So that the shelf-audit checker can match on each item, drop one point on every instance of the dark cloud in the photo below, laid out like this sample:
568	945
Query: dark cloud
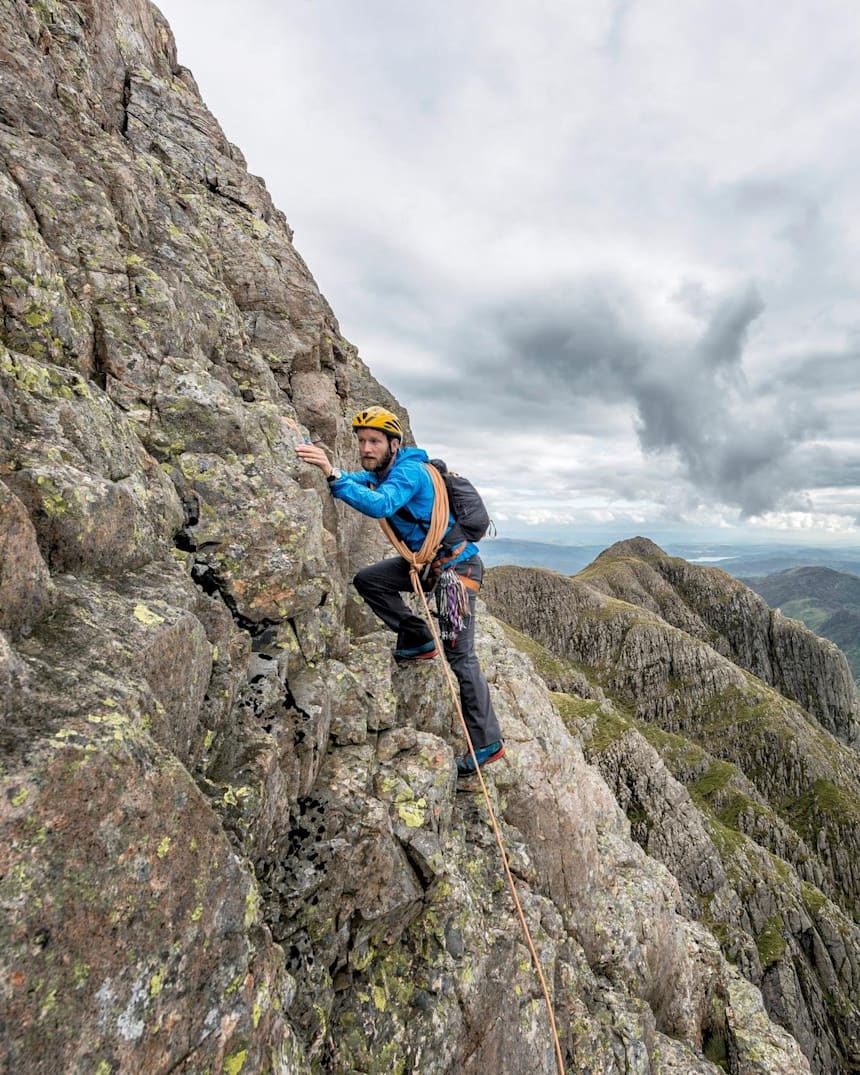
724	339
536	364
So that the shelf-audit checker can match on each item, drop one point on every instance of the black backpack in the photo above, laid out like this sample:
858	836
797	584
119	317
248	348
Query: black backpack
471	518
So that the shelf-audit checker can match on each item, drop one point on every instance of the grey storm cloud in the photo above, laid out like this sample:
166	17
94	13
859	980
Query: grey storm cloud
545	217
723	341
547	365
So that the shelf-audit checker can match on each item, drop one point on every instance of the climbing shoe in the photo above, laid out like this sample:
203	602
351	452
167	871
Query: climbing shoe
491	752
416	653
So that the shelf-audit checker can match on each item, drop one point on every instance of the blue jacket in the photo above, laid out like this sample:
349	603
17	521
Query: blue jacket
406	485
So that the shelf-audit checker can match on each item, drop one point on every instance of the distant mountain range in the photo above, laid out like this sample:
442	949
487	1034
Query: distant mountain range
740	560
818	586
729	734
827	601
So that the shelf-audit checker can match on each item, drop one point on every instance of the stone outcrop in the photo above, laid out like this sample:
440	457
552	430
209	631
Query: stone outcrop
230	839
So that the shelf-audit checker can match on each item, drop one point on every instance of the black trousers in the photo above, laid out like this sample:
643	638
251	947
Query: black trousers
381	586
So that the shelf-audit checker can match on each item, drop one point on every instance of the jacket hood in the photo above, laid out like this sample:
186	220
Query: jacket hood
417	455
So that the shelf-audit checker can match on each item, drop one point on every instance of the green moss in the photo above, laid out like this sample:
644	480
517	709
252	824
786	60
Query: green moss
813	898
740	805
824	803
729	709
546	663
728	842
575	712
678	752
608	727
719	773
770	942
572	707
715	1049
636	814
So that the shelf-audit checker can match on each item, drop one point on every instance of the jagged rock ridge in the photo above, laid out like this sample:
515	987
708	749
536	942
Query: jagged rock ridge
752	804
230	837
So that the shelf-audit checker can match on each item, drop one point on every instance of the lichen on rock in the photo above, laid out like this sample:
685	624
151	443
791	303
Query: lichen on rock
232	839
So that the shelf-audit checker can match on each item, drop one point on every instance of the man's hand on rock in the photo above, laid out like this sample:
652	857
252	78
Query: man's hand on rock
310	453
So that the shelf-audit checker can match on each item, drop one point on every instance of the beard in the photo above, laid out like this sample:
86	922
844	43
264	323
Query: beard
382	465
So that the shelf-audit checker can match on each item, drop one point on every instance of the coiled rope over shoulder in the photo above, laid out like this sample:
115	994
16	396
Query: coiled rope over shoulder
436	531
416	561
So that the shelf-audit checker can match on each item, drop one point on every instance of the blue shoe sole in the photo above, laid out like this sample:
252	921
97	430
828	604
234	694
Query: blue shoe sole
416	654
466	766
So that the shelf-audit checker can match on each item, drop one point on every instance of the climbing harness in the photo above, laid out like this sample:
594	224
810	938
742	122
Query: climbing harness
418	562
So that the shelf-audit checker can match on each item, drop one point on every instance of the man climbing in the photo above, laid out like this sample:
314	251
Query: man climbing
395	485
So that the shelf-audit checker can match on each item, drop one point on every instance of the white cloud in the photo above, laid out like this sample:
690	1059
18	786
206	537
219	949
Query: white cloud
446	168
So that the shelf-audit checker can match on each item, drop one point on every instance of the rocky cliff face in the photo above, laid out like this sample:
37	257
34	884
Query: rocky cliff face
825	600
231	840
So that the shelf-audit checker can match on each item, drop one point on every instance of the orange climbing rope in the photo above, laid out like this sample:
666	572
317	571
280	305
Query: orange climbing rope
418	560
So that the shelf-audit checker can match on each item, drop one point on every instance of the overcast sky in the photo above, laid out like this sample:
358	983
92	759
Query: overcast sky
604	251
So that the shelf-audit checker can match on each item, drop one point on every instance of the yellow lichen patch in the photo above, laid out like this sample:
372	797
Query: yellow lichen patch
116	726
156	982
52	500
233	796
20	797
234	1064
163	847
36	317
147	616
49	1005
413	813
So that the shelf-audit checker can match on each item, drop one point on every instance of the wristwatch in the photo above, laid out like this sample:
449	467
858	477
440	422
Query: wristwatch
335	475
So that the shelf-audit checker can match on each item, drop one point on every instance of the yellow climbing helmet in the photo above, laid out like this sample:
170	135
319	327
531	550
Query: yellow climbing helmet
378	418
